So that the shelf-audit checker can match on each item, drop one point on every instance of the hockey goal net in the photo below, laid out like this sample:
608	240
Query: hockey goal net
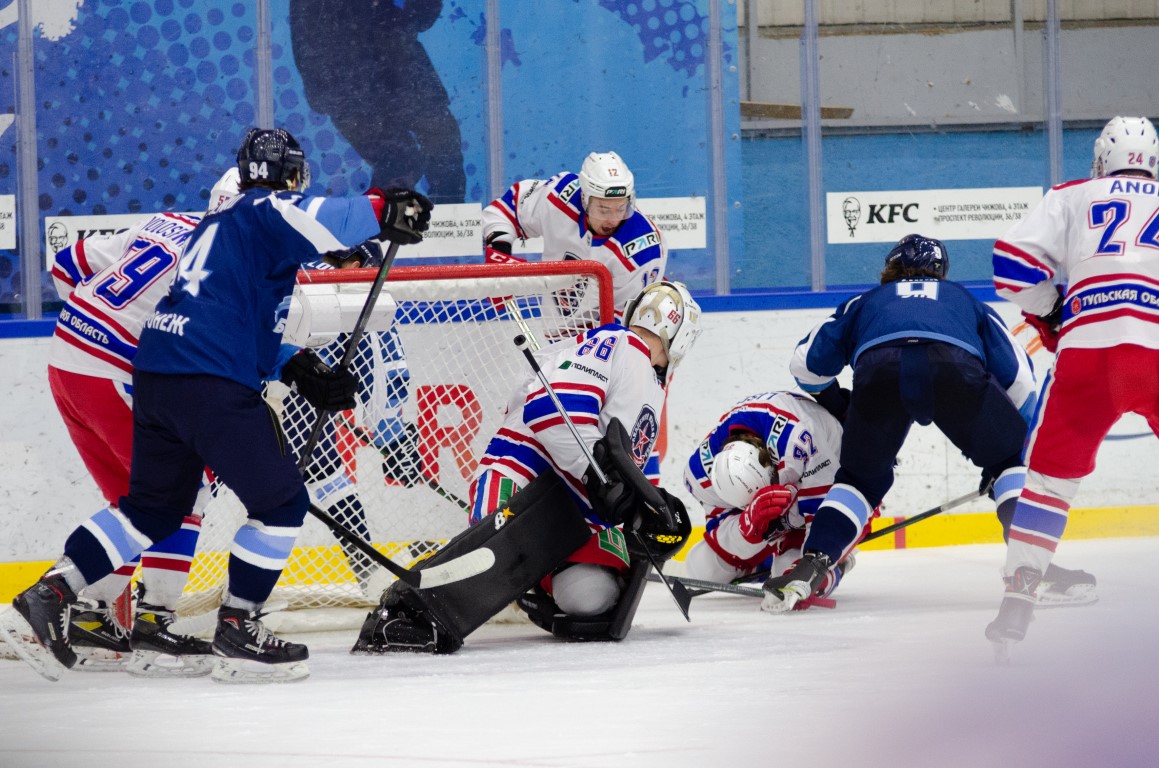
437	366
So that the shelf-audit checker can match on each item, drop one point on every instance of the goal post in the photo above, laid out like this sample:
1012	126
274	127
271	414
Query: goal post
436	368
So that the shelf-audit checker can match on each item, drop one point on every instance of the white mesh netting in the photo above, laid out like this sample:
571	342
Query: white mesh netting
433	390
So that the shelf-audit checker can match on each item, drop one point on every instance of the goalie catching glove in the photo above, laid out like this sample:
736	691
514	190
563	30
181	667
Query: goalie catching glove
663	537
405	214
321	386
770	514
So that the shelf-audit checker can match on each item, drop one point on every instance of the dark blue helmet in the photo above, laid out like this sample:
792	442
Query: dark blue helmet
274	158
917	253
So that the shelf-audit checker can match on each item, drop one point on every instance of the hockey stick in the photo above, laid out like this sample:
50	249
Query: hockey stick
679	594
736	585
457	569
929	512
363	435
351	348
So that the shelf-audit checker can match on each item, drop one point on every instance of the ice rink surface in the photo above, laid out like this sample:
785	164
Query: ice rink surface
898	675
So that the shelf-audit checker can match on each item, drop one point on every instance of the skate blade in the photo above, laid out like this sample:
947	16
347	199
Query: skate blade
243	671
1001	652
156	664
90	659
17	633
1078	595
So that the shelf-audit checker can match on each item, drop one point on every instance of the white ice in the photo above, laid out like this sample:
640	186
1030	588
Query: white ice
898	675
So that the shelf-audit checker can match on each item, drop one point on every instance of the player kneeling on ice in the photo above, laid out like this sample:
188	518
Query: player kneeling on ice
761	474
923	350
557	532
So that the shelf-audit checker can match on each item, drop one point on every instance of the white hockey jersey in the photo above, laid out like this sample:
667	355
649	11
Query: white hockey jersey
803	439
635	255
1099	238
605	373
111	284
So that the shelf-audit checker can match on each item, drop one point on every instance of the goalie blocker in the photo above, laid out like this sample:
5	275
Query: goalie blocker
530	537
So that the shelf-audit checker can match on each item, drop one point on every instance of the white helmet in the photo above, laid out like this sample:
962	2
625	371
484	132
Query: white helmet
668	310
1126	143
604	174
225	188
737	474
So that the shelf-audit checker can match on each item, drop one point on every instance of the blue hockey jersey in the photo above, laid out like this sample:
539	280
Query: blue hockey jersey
923	308
224	314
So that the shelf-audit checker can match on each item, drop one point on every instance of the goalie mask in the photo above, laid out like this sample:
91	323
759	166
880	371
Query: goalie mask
737	474
1126	144
274	159
605	175
668	310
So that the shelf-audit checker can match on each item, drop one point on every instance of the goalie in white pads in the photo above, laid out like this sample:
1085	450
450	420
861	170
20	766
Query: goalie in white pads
1082	266
578	564
761	473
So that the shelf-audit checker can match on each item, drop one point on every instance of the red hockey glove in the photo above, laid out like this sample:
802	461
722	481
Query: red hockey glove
1048	325
496	251
765	515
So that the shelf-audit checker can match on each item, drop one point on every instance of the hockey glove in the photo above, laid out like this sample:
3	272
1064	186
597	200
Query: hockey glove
663	540
323	387
496	251
1048	325
406	214
835	399
767	515
615	501
401	461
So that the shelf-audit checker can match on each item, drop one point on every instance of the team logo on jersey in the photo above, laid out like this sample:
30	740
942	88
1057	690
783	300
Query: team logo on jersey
705	453
566	364
1075	305
644	433
646	240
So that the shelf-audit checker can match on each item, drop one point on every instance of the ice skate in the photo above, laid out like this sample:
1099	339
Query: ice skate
782	593
158	651
1015	613
37	628
100	642
1062	587
250	653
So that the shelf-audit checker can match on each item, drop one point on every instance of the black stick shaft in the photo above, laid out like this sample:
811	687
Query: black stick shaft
348	354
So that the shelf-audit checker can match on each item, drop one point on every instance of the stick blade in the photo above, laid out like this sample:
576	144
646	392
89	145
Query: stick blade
459	568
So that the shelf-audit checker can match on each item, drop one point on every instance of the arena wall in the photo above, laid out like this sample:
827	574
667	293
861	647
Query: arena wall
45	490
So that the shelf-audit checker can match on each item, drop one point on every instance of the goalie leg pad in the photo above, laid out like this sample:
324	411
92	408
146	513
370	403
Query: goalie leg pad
614	624
530	537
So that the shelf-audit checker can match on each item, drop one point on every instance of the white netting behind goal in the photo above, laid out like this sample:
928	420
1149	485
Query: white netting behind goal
437	368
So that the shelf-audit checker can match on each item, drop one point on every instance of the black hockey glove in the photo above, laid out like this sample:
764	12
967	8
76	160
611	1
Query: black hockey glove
406	214
322	386
662	540
401	461
615	501
834	399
